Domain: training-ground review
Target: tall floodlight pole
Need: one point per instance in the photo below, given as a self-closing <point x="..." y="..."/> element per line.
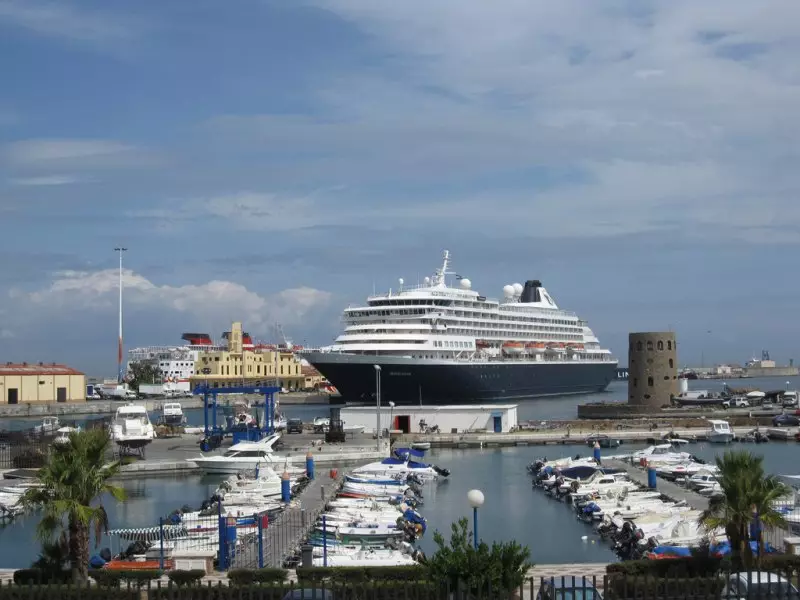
<point x="120" y="249"/>
<point x="378" y="406"/>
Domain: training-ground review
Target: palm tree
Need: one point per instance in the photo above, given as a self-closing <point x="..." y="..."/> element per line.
<point x="748" y="494"/>
<point x="71" y="485"/>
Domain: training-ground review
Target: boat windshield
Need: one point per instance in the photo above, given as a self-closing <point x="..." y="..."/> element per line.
<point x="246" y="453"/>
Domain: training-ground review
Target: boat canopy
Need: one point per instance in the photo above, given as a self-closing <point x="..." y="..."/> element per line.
<point x="150" y="534"/>
<point x="408" y="452"/>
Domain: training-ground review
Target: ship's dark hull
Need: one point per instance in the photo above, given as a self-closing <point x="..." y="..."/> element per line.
<point x="410" y="381"/>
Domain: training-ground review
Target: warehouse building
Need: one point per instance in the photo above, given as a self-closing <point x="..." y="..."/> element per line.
<point x="489" y="418"/>
<point x="42" y="383"/>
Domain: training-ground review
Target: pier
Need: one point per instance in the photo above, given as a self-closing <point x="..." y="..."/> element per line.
<point x="281" y="538"/>
<point x="557" y="437"/>
<point x="672" y="490"/>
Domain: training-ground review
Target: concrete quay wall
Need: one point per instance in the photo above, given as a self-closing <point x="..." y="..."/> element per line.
<point x="109" y="407"/>
<point x="541" y="438"/>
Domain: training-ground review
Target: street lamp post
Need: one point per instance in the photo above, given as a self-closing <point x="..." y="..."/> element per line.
<point x="475" y="498"/>
<point x="378" y="406"/>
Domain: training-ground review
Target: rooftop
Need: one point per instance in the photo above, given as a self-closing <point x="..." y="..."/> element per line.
<point x="38" y="369"/>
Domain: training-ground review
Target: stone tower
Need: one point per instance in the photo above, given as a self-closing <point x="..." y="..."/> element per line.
<point x="652" y="368"/>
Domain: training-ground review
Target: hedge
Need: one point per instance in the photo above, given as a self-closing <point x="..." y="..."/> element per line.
<point x="411" y="573"/>
<point x="113" y="577"/>
<point x="40" y="576"/>
<point x="699" y="566"/>
<point x="655" y="588"/>
<point x="188" y="578"/>
<point x="250" y="576"/>
<point x="66" y="592"/>
<point x="690" y="566"/>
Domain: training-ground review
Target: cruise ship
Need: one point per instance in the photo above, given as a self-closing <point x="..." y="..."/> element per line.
<point x="440" y="343"/>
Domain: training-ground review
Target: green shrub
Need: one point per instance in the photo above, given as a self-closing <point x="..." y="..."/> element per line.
<point x="66" y="592"/>
<point x="113" y="577"/>
<point x="690" y="566"/>
<point x="41" y="576"/>
<point x="621" y="587"/>
<point x="250" y="576"/>
<point x="186" y="578"/>
<point x="362" y="574"/>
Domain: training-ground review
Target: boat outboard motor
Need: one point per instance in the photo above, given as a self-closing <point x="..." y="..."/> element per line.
<point x="441" y="471"/>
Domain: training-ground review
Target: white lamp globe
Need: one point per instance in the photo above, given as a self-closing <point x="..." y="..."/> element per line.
<point x="475" y="498"/>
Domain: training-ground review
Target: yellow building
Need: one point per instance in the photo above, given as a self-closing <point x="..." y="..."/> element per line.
<point x="237" y="366"/>
<point x="41" y="383"/>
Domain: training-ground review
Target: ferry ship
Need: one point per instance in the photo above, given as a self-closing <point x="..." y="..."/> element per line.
<point x="437" y="343"/>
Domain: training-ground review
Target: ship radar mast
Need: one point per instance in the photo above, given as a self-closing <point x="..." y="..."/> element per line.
<point x="438" y="278"/>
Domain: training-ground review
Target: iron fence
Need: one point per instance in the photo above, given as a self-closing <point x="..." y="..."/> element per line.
<point x="728" y="586"/>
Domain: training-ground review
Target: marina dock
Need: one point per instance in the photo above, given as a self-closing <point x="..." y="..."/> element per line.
<point x="282" y="539"/>
<point x="554" y="437"/>
<point x="672" y="490"/>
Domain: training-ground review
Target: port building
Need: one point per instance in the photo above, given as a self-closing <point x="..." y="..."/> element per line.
<point x="470" y="418"/>
<point x="41" y="383"/>
<point x="237" y="365"/>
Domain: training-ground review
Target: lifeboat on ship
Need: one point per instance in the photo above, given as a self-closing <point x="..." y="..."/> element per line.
<point x="513" y="348"/>
<point x="534" y="347"/>
<point x="480" y="344"/>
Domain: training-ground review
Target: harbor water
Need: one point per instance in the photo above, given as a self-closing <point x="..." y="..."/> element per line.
<point x="512" y="510"/>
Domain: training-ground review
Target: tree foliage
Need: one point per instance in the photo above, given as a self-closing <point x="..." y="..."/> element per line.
<point x="72" y="483"/>
<point x="748" y="495"/>
<point x="142" y="372"/>
<point x="496" y="569"/>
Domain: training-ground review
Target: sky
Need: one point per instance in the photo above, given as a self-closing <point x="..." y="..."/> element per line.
<point x="273" y="162"/>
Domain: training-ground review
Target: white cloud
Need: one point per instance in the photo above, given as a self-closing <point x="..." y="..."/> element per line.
<point x="46" y="180"/>
<point x="217" y="302"/>
<point x="646" y="103"/>
<point x="59" y="19"/>
<point x="6" y="334"/>
<point x="73" y="154"/>
<point x="247" y="210"/>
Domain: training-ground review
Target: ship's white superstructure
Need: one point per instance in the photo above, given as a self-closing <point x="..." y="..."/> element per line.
<point x="436" y="321"/>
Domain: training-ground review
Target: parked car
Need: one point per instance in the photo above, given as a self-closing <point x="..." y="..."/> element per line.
<point x="568" y="588"/>
<point x="736" y="403"/>
<point x="294" y="426"/>
<point x="762" y="585"/>
<point x="785" y="420"/>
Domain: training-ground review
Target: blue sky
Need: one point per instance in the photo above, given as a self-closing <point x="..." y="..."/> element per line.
<point x="271" y="161"/>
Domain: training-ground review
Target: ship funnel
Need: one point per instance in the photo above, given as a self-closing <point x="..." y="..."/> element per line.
<point x="530" y="292"/>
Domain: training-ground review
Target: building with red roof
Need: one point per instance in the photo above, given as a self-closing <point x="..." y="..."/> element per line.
<point x="42" y="383"/>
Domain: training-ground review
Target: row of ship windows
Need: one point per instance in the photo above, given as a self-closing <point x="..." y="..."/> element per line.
<point x="482" y="315"/>
<point x="487" y="326"/>
<point x="451" y="344"/>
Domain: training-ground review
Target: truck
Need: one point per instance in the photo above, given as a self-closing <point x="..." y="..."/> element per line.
<point x="151" y="390"/>
<point x="118" y="393"/>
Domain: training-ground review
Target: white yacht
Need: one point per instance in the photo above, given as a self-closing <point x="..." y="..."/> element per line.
<point x="131" y="427"/>
<point x="437" y="343"/>
<point x="48" y="426"/>
<point x="172" y="414"/>
<point x="244" y="456"/>
<point x="63" y="433"/>
<point x="719" y="432"/>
